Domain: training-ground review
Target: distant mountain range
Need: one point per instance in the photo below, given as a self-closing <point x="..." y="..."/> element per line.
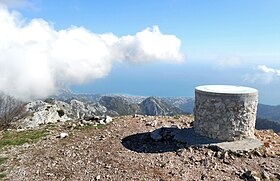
<point x="264" y="124"/>
<point x="268" y="117"/>
<point x="119" y="104"/>
<point x="269" y="112"/>
<point x="128" y="103"/>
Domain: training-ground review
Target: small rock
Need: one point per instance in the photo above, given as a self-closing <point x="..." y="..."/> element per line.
<point x="135" y="116"/>
<point x="218" y="154"/>
<point x="257" y="153"/>
<point x="50" y="174"/>
<point x="18" y="130"/>
<point x="267" y="145"/>
<point x="224" y="170"/>
<point x="108" y="119"/>
<point x="63" y="135"/>
<point x="254" y="178"/>
<point x="208" y="153"/>
<point x="153" y="123"/>
<point x="203" y="176"/>
<point x="250" y="176"/>
<point x="225" y="155"/>
<point x="246" y="175"/>
<point x="180" y="152"/>
<point x="231" y="157"/>
<point x="102" y="121"/>
<point x="98" y="177"/>
<point x="190" y="149"/>
<point x="238" y="173"/>
<point x="226" y="161"/>
<point x="250" y="156"/>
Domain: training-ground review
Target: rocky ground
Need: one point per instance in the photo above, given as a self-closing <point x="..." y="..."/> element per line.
<point x="124" y="150"/>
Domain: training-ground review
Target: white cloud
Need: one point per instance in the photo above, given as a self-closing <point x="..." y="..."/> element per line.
<point x="35" y="59"/>
<point x="269" y="70"/>
<point x="265" y="75"/>
<point x="149" y="44"/>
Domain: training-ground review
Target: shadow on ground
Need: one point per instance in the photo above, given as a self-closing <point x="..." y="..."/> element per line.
<point x="164" y="140"/>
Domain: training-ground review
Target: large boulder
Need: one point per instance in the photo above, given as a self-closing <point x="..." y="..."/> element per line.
<point x="40" y="112"/>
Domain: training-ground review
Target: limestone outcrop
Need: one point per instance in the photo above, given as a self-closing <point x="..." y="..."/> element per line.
<point x="52" y="111"/>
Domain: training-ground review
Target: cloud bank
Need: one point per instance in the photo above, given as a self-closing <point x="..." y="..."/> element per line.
<point x="36" y="59"/>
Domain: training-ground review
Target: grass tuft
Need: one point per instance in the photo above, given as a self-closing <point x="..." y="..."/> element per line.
<point x="3" y="160"/>
<point x="2" y="175"/>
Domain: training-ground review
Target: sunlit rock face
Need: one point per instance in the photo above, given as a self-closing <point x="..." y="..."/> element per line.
<point x="224" y="112"/>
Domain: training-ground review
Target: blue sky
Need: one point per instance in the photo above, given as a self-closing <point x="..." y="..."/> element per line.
<point x="223" y="42"/>
<point x="208" y="27"/>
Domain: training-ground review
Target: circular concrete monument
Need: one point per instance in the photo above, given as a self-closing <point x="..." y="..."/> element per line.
<point x="225" y="112"/>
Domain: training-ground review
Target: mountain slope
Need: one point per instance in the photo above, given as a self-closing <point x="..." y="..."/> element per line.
<point x="155" y="106"/>
<point x="264" y="124"/>
<point x="119" y="105"/>
<point x="150" y="106"/>
<point x="186" y="104"/>
<point x="269" y="112"/>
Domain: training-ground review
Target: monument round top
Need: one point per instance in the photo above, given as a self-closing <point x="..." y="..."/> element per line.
<point x="226" y="89"/>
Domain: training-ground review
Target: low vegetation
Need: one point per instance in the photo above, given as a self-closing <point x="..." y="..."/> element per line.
<point x="12" y="138"/>
<point x="19" y="138"/>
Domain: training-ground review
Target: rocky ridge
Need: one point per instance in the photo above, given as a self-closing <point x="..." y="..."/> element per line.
<point x="51" y="110"/>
